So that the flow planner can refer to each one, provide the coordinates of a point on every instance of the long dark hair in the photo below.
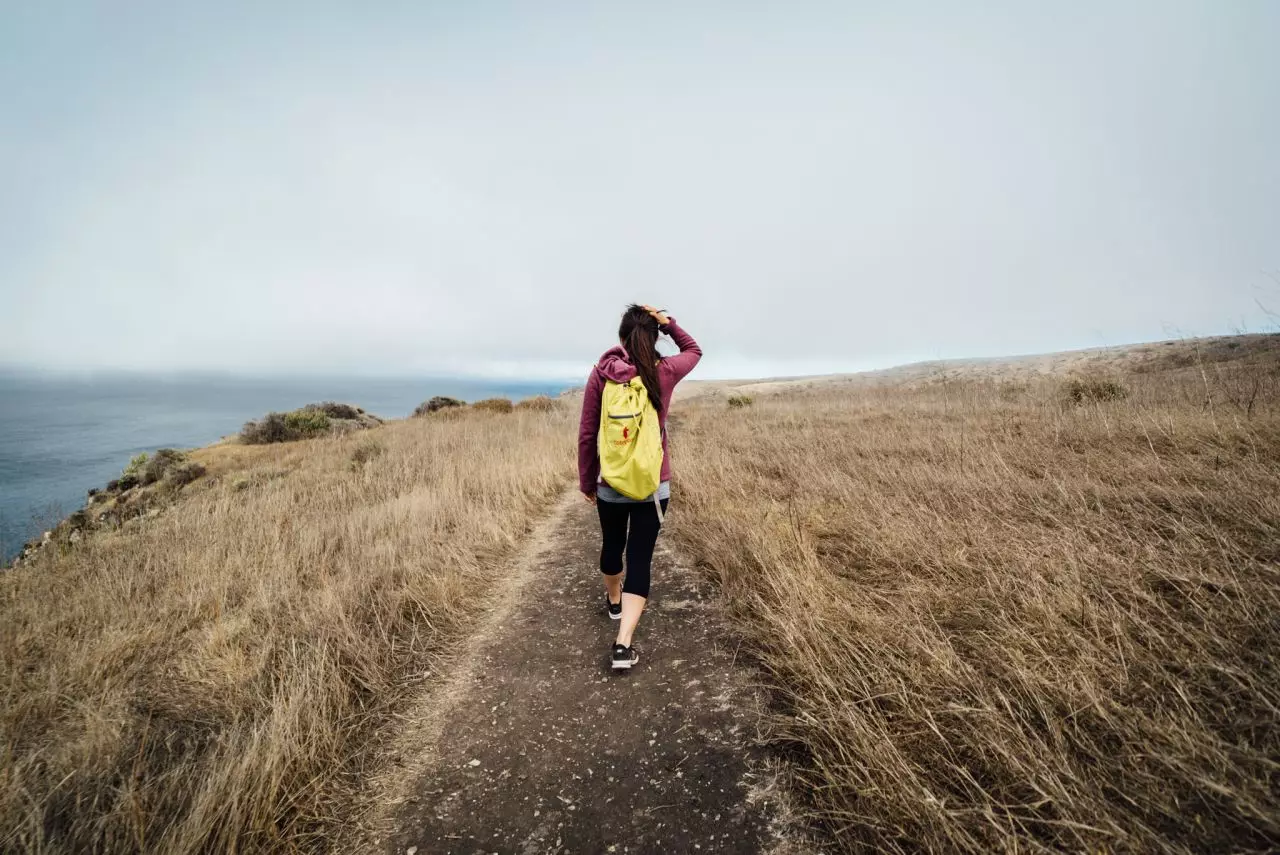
(639, 335)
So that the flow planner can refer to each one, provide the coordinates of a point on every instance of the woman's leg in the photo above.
(613, 539)
(640, 542)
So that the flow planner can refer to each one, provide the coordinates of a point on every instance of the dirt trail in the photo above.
(536, 746)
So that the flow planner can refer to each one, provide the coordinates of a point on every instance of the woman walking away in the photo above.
(623, 468)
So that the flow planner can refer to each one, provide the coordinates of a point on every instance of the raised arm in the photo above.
(588, 430)
(682, 363)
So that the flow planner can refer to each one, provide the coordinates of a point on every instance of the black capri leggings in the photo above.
(638, 542)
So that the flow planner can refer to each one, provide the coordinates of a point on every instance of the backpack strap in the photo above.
(657, 505)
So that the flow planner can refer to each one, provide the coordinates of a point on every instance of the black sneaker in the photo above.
(624, 657)
(614, 609)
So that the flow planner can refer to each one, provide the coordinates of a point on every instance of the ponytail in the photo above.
(639, 335)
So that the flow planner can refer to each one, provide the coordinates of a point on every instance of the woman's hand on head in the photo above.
(658, 315)
(590, 497)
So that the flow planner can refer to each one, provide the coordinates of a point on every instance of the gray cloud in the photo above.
(811, 187)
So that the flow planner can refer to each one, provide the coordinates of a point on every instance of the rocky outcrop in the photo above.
(144, 488)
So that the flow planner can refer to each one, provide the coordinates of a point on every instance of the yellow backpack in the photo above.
(630, 440)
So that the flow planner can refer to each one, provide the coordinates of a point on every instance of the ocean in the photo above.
(61, 435)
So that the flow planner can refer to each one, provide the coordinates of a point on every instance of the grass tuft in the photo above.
(539, 404)
(494, 405)
(366, 450)
(1084, 390)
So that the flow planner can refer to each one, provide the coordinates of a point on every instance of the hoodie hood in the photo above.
(615, 365)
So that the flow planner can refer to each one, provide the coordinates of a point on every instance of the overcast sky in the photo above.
(481, 187)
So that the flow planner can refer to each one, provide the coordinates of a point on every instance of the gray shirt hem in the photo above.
(605, 493)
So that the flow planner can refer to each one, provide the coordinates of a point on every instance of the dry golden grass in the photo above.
(993, 621)
(206, 680)
(540, 403)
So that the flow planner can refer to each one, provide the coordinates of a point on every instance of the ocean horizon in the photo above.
(63, 433)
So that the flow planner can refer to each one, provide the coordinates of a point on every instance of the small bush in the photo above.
(1082, 390)
(439, 402)
(304, 423)
(366, 451)
(740, 401)
(285, 427)
(494, 405)
(1013, 390)
(184, 472)
(137, 464)
(132, 474)
(335, 411)
(159, 463)
(538, 404)
(269, 428)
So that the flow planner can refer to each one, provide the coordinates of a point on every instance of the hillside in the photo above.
(1004, 605)
(1001, 604)
(1240, 350)
(209, 676)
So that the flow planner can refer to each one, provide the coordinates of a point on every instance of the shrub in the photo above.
(439, 402)
(538, 404)
(740, 401)
(1081, 390)
(159, 463)
(494, 405)
(184, 472)
(136, 465)
(132, 474)
(1012, 390)
(334, 410)
(366, 451)
(285, 427)
(270, 428)
(304, 423)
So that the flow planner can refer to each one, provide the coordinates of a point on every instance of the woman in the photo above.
(631, 525)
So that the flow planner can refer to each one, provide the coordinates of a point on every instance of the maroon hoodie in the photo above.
(616, 365)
